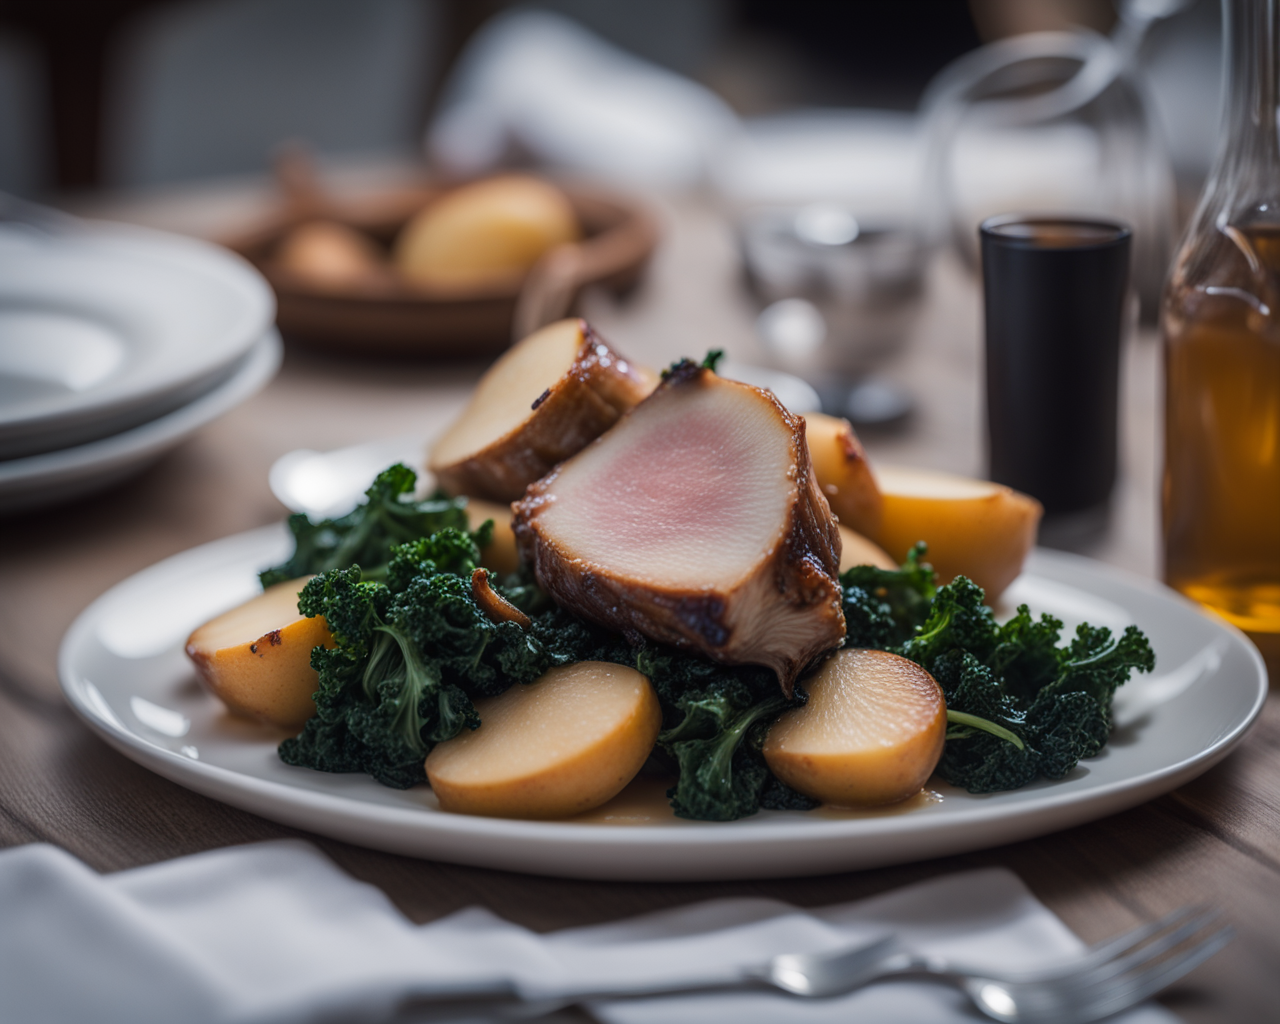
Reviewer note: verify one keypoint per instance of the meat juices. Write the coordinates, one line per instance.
(696, 521)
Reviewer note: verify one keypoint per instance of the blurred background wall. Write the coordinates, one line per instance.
(127, 93)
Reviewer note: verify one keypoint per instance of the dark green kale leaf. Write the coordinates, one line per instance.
(709, 362)
(1096, 664)
(364, 536)
(715, 717)
(778, 796)
(1026, 655)
(958, 619)
(1066, 728)
(985, 750)
(884, 608)
(410, 656)
(1018, 705)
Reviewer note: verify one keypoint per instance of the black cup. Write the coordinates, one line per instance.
(1055, 290)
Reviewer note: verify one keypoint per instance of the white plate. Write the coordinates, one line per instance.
(122, 668)
(40, 480)
(104, 327)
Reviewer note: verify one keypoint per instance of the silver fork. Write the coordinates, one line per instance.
(1111, 976)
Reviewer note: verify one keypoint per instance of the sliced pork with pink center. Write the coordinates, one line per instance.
(696, 521)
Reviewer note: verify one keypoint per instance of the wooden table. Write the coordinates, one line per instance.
(1216, 840)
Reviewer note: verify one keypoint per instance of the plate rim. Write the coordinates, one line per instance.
(38, 481)
(257, 367)
(216, 781)
(188, 253)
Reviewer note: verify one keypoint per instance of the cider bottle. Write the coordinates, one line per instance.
(1220, 318)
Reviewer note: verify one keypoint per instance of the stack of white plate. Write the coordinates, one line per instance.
(116, 343)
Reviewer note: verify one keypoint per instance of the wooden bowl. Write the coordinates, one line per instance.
(386, 313)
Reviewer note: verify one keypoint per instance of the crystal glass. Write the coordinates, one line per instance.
(1048, 123)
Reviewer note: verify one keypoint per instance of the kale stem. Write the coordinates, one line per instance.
(420, 679)
(962, 718)
(374, 670)
(1092, 659)
(946, 621)
(728, 742)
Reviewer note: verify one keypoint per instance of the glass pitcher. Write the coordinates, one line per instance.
(1049, 123)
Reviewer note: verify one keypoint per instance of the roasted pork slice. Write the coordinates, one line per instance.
(547, 397)
(696, 521)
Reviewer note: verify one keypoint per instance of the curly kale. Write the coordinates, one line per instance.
(709, 362)
(715, 718)
(958, 619)
(365, 535)
(1019, 706)
(410, 654)
(884, 608)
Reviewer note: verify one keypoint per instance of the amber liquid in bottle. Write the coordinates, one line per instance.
(1222, 443)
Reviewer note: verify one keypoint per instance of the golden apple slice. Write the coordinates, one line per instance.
(855, 549)
(871, 733)
(548, 397)
(256, 658)
(499, 554)
(554, 748)
(485, 231)
(973, 527)
(843, 473)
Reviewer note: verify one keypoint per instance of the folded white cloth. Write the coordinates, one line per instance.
(275, 932)
(540, 84)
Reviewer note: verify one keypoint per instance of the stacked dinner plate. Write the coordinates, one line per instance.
(115, 344)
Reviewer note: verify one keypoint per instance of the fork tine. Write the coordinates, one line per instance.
(1148, 953)
(1155, 977)
(1109, 949)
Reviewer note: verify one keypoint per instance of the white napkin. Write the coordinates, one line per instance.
(275, 932)
(539, 83)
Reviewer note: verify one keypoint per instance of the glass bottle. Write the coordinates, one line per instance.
(1221, 323)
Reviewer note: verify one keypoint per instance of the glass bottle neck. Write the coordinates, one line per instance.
(1246, 177)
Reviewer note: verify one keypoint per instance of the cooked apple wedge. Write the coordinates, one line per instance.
(871, 732)
(973, 527)
(547, 397)
(256, 658)
(499, 554)
(855, 549)
(560, 745)
(696, 521)
(843, 473)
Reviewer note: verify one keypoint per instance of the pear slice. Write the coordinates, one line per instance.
(871, 733)
(973, 527)
(855, 549)
(843, 473)
(546, 398)
(256, 658)
(556, 747)
(499, 554)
